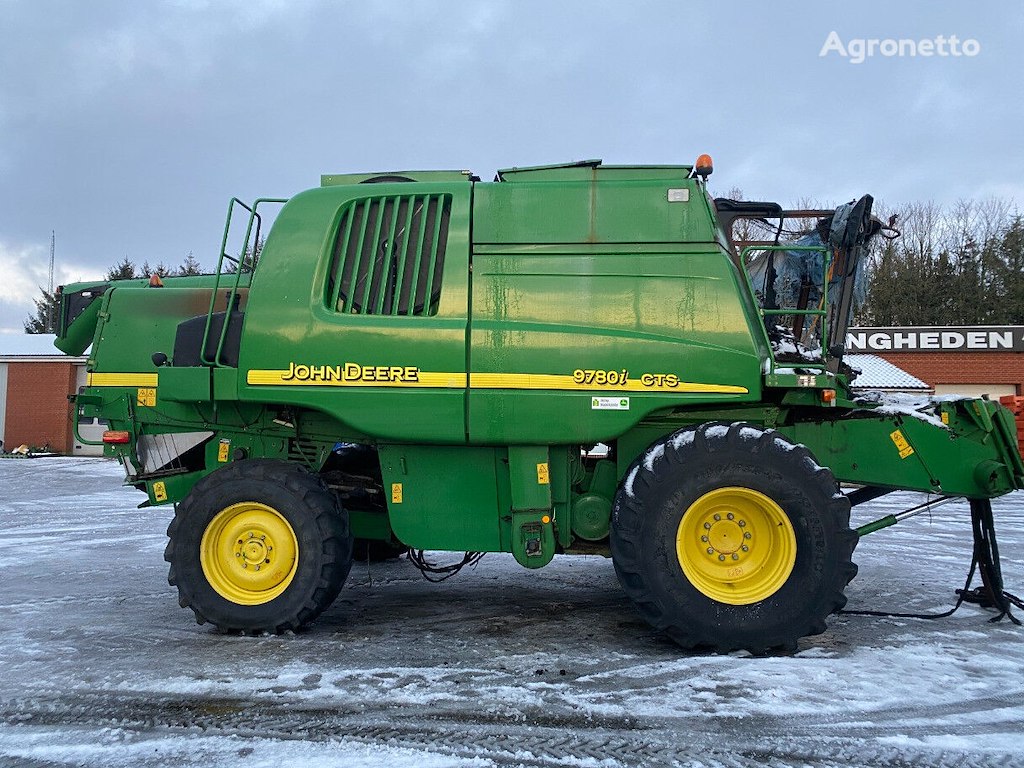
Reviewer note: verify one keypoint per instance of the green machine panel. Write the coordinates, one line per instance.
(647, 331)
(372, 331)
(442, 497)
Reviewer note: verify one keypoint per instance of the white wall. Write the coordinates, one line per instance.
(3, 400)
(994, 391)
(90, 429)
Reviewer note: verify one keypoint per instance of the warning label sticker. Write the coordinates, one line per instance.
(609, 403)
(543, 477)
(901, 443)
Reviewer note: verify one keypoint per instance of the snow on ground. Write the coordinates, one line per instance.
(498, 666)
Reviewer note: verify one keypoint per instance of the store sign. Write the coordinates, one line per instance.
(972, 338)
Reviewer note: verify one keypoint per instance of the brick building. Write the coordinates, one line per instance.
(35, 381)
(971, 360)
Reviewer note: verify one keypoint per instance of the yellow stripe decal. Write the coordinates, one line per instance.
(327, 376)
(121, 379)
(556, 381)
(283, 378)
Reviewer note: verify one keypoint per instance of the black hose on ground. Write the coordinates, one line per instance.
(985, 561)
(437, 573)
(986, 555)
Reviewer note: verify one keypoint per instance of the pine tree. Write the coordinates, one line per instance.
(960, 265)
(945, 290)
(1008, 272)
(190, 266)
(248, 260)
(160, 269)
(44, 320)
(123, 270)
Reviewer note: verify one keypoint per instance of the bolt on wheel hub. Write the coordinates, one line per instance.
(726, 536)
(254, 552)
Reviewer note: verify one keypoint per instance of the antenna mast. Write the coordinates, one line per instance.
(53, 310)
(53, 242)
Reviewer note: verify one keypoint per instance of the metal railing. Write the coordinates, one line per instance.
(240, 267)
(820, 312)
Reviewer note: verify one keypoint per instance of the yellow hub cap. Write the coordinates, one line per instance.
(736, 545)
(249, 553)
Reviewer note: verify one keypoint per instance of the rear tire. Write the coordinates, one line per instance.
(732, 537)
(258, 546)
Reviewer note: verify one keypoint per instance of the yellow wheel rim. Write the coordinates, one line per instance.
(736, 545)
(249, 553)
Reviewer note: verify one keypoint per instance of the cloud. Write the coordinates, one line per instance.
(128, 126)
(1012, 191)
(25, 270)
(938, 98)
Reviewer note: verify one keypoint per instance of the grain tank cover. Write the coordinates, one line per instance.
(594, 170)
(590, 204)
(342, 179)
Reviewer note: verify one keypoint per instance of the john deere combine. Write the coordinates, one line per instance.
(423, 360)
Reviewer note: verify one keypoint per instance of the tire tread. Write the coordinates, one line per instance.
(628, 532)
(330, 519)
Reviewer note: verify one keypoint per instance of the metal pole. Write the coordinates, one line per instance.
(888, 520)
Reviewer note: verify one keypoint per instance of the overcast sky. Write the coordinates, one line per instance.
(127, 126)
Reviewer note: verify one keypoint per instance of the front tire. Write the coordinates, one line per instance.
(258, 546)
(732, 537)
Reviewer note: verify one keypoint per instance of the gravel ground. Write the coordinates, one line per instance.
(495, 667)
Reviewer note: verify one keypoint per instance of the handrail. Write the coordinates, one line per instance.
(76, 423)
(239, 264)
(821, 312)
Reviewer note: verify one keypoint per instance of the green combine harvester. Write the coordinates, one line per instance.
(571, 359)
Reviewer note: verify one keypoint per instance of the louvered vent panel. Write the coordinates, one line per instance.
(389, 256)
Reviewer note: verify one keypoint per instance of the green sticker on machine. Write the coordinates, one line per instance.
(609, 403)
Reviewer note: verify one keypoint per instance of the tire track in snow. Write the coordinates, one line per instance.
(533, 740)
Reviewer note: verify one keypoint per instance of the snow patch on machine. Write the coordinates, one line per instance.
(900, 404)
